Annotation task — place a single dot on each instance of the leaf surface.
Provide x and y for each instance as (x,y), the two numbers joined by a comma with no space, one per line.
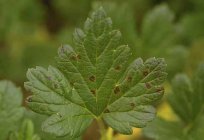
(26,132)
(164,130)
(93,77)
(10,108)
(187,103)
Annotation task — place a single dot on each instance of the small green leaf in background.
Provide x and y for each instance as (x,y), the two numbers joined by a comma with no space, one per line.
(187,101)
(26,132)
(10,108)
(94,80)
(159,37)
(158,28)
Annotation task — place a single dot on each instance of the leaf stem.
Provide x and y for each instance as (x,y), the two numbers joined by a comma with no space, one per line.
(102,129)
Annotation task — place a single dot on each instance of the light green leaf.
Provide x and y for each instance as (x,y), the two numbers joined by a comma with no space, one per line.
(197,130)
(10,108)
(26,132)
(190,95)
(187,102)
(38,119)
(126,24)
(158,28)
(139,89)
(53,96)
(164,130)
(183,93)
(191,25)
(198,83)
(160,37)
(180,55)
(94,80)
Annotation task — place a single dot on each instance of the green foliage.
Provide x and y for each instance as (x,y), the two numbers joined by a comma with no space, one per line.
(157,27)
(196,55)
(94,79)
(38,119)
(22,17)
(4,61)
(31,57)
(10,108)
(68,8)
(192,25)
(26,132)
(126,24)
(192,22)
(187,102)
(159,37)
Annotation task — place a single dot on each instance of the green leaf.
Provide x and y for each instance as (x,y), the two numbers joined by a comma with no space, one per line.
(163,130)
(166,130)
(191,25)
(38,119)
(10,108)
(197,130)
(190,95)
(183,93)
(126,24)
(51,97)
(26,132)
(198,83)
(157,27)
(141,88)
(160,37)
(187,102)
(95,80)
(178,54)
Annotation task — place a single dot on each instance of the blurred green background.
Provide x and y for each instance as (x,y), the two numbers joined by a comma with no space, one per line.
(32,30)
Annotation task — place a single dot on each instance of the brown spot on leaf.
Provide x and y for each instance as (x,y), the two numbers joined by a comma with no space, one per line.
(118,67)
(129,79)
(117,89)
(148,85)
(93,91)
(92,78)
(73,57)
(159,89)
(146,72)
(78,56)
(106,111)
(29,99)
(132,104)
(55,85)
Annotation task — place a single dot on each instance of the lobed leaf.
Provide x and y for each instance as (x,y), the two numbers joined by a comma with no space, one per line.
(94,79)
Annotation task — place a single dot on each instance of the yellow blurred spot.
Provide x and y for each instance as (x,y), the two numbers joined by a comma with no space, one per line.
(165,112)
(109,134)
(136,134)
